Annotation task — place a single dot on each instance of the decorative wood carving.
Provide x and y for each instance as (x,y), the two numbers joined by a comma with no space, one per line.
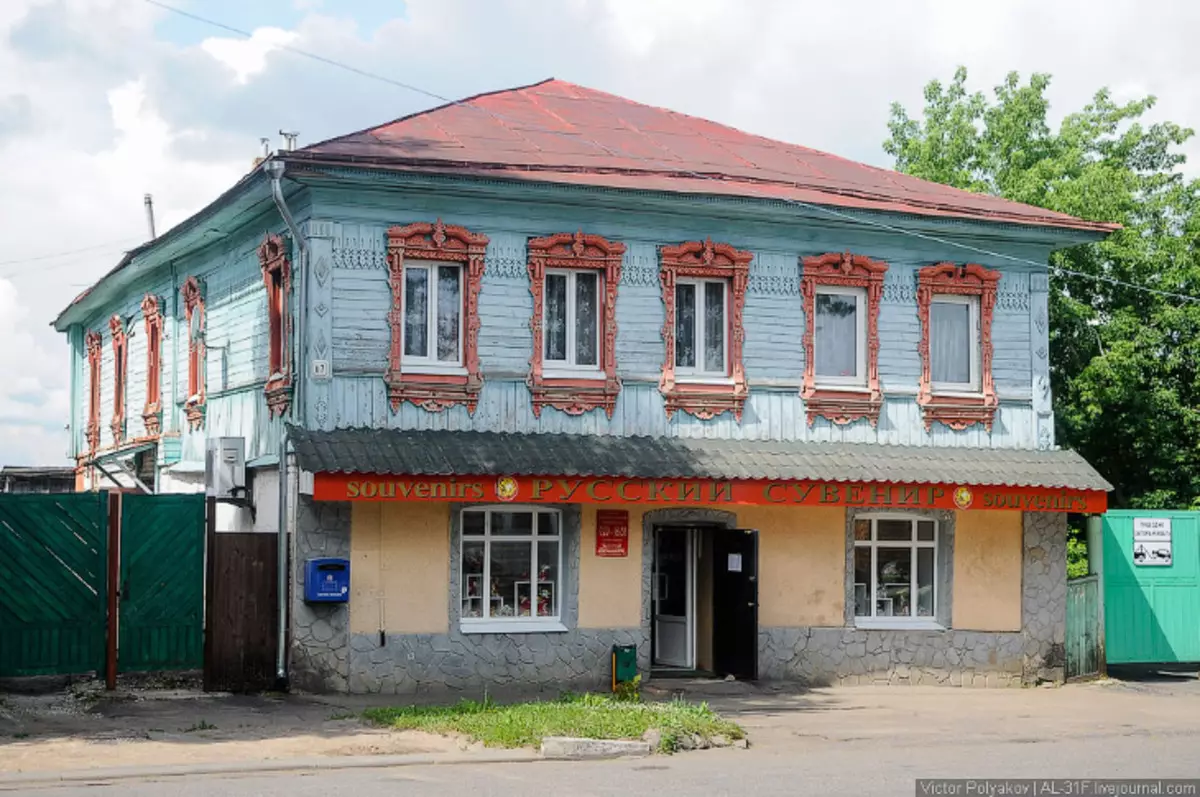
(445,243)
(585,253)
(842,405)
(93,343)
(120,347)
(705,259)
(153,320)
(972,279)
(277,278)
(193,308)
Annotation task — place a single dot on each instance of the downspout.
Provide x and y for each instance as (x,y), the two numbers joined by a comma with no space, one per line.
(274,169)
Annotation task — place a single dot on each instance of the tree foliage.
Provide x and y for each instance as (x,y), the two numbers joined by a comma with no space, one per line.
(1124,362)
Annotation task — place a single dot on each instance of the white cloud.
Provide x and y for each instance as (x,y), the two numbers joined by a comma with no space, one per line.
(248,57)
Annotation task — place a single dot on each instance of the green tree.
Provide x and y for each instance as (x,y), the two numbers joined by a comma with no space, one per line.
(1124,362)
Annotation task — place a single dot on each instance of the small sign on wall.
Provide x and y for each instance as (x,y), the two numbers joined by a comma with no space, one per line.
(1152,541)
(612,533)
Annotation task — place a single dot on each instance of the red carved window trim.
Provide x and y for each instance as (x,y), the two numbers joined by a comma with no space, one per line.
(579,252)
(958,411)
(194,313)
(152,410)
(445,244)
(705,259)
(93,343)
(277,279)
(120,347)
(839,404)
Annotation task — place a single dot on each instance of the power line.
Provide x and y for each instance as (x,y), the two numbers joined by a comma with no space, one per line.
(807,205)
(56,255)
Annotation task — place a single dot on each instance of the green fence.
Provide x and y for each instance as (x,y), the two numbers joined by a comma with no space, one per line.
(53,554)
(1084,651)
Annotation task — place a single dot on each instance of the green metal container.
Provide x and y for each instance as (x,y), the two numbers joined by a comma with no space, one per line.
(624,664)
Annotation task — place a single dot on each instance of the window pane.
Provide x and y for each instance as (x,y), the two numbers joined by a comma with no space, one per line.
(556,317)
(547,586)
(449,310)
(512,523)
(925,582)
(472,523)
(416,309)
(862,529)
(472,579)
(837,335)
(894,580)
(862,581)
(714,327)
(510,587)
(950,342)
(586,319)
(685,325)
(892,530)
(547,524)
(925,530)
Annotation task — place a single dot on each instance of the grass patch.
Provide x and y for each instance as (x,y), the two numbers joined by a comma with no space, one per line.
(587,716)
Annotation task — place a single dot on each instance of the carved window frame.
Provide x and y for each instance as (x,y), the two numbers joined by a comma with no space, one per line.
(153,321)
(120,348)
(277,280)
(94,345)
(576,251)
(193,308)
(842,404)
(443,243)
(958,410)
(704,397)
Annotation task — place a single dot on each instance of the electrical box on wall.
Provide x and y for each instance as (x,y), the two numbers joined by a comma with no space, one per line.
(327,580)
(225,468)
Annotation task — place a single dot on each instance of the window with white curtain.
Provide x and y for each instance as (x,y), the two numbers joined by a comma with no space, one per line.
(701,348)
(571,320)
(954,343)
(840,332)
(432,329)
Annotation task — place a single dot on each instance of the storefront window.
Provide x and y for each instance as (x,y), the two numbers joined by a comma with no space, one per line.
(511,564)
(895,568)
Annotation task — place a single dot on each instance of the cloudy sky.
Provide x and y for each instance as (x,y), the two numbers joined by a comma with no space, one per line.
(102,101)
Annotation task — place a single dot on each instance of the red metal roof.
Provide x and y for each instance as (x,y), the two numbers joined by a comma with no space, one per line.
(555,131)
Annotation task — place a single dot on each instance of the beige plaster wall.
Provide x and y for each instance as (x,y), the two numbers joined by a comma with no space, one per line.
(801,564)
(987,570)
(610,589)
(400,568)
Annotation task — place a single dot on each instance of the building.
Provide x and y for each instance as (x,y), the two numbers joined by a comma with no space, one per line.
(46,479)
(557,371)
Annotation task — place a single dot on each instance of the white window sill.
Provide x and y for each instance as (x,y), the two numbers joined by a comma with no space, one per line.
(947,391)
(703,379)
(572,373)
(432,370)
(511,626)
(846,387)
(897,624)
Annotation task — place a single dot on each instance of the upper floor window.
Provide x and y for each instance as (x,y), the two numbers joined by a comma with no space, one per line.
(193,310)
(701,323)
(895,569)
(93,343)
(152,410)
(955,305)
(277,279)
(841,293)
(841,336)
(434,272)
(573,278)
(120,347)
(704,293)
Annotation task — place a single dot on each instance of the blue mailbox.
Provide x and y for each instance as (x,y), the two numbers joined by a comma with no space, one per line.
(327,580)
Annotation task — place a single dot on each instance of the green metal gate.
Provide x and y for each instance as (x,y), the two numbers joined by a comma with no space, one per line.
(1152,587)
(53,552)
(162,583)
(1084,653)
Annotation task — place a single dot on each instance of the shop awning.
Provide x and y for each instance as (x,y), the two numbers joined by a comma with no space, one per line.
(457,453)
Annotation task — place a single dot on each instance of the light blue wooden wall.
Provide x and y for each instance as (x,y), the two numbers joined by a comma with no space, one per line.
(774,320)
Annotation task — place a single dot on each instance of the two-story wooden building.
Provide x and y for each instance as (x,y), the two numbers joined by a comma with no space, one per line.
(558,371)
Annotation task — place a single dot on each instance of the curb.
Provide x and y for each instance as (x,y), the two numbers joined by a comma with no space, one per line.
(565,748)
(19,780)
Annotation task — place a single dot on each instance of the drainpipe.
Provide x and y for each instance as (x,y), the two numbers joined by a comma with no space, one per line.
(275,169)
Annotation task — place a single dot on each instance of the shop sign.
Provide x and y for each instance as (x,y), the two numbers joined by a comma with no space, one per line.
(700,492)
(1152,541)
(612,533)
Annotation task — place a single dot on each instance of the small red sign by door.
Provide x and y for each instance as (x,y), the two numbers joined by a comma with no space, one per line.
(612,533)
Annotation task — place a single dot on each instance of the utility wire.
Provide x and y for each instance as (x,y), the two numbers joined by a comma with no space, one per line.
(56,255)
(673,167)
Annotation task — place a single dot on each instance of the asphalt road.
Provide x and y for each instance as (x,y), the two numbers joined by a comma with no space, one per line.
(810,767)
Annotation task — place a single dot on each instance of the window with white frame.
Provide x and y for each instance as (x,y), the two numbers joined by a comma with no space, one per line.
(571,320)
(954,343)
(701,345)
(840,332)
(432,328)
(895,568)
(511,564)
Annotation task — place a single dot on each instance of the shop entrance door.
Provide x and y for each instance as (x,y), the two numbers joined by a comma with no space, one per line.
(673,596)
(735,603)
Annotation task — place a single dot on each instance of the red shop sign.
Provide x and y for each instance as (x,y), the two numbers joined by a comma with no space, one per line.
(612,533)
